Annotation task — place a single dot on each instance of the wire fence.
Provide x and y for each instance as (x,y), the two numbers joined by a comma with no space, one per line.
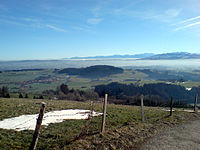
(181,103)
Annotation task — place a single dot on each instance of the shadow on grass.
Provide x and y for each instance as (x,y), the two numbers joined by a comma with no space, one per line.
(84,133)
(81,135)
(165,117)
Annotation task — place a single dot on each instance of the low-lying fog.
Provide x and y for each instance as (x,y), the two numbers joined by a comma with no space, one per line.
(182,64)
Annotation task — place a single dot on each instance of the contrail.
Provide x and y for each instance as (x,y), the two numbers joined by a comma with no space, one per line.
(190,19)
(187,26)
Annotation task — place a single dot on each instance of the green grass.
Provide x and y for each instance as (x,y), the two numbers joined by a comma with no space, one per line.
(63,135)
(190,84)
(12,80)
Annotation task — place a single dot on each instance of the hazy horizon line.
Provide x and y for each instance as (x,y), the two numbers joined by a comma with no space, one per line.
(56,59)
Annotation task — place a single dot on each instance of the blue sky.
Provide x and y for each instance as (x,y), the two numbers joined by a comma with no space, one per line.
(53,29)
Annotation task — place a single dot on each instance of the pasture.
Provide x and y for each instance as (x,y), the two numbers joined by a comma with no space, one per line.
(34,82)
(123,125)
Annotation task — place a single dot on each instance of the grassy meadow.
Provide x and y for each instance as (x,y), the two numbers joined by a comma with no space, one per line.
(34,82)
(123,126)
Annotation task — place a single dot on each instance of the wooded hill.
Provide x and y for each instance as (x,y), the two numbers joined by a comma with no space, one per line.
(159,91)
(92,71)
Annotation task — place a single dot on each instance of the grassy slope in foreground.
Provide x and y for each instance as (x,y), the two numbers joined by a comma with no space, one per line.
(123,126)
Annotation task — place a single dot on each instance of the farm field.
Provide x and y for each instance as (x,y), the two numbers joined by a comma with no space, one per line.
(123,125)
(34,82)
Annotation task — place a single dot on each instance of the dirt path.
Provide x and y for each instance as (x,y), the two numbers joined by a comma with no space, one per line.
(184,137)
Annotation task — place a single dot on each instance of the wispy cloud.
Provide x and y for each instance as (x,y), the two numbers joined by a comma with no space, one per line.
(188,26)
(187,23)
(114,7)
(190,19)
(166,16)
(129,9)
(29,22)
(173,12)
(12,22)
(83,28)
(55,28)
(94,20)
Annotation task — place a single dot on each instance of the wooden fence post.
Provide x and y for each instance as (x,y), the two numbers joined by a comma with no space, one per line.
(142,108)
(171,106)
(195,103)
(90,115)
(104,113)
(37,128)
(92,108)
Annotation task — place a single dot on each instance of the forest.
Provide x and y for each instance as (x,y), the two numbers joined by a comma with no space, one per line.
(92,71)
(155,94)
(158,94)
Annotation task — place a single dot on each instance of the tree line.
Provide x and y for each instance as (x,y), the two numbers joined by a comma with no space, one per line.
(4,92)
(63,92)
(155,94)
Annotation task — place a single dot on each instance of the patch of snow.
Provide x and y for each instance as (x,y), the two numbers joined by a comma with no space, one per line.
(167,109)
(188,89)
(168,83)
(28,122)
(186,110)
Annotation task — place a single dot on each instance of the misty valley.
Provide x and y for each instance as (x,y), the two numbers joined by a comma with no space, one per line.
(99,75)
(37,82)
(73,91)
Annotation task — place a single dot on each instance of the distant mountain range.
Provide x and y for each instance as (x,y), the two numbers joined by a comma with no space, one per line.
(113,60)
(147,56)
(177,55)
